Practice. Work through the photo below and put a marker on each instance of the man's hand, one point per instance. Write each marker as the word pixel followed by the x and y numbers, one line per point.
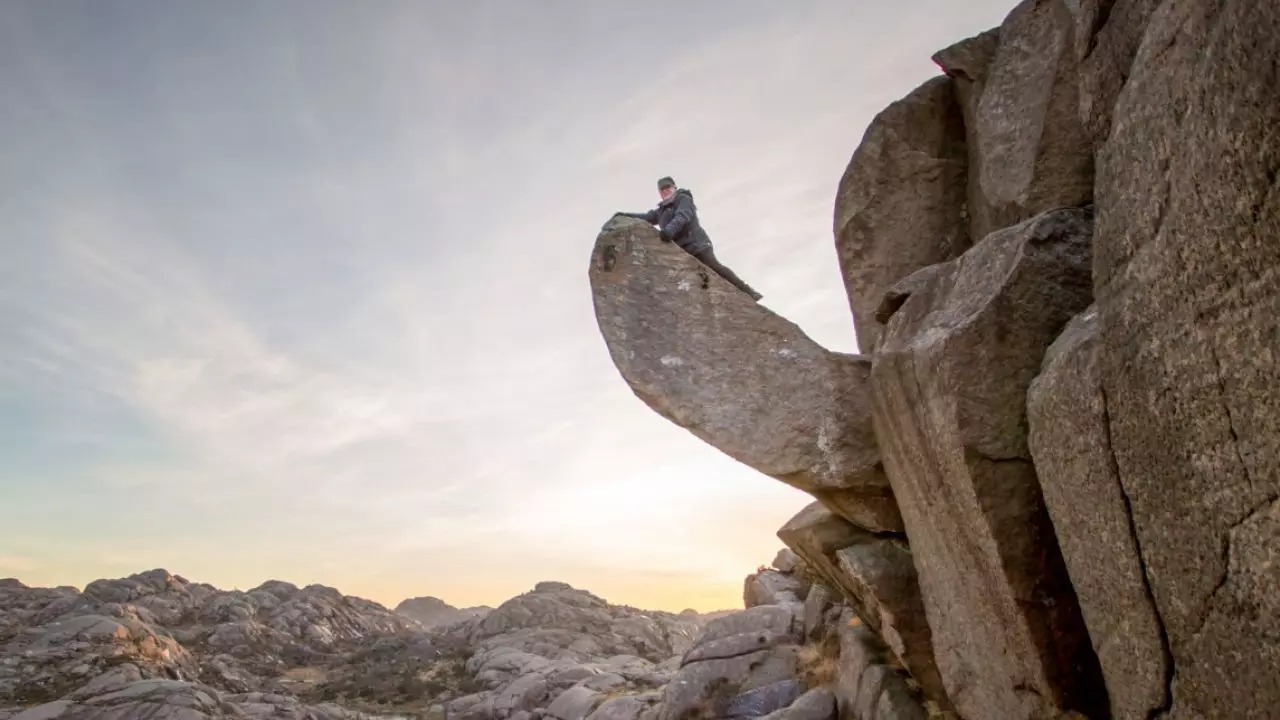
pixel 663 234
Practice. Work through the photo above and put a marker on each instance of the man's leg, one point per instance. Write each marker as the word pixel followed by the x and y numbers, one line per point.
pixel 708 257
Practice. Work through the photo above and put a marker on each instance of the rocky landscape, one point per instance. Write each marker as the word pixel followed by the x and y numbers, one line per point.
pixel 1048 485
pixel 1047 488
pixel 155 645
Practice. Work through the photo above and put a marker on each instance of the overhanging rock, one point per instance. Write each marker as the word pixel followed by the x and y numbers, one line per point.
pixel 745 380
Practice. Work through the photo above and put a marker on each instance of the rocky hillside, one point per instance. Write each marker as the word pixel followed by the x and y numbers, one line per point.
pixel 155 645
pixel 1050 484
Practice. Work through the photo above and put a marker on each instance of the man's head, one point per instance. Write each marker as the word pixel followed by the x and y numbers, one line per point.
pixel 666 187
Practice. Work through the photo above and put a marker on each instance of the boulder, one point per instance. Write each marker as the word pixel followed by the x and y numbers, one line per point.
pixel 1027 146
pixel 748 382
pixel 576 703
pixel 1187 279
pixel 900 205
pixel 1071 446
pixel 818 607
pixel 787 562
pixel 950 384
pixel 868 687
pixel 816 704
pixel 770 587
pixel 717 687
pixel 967 63
pixel 626 707
pixel 747 661
pixel 877 576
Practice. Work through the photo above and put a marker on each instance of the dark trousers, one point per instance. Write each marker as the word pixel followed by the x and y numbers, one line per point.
pixel 708 257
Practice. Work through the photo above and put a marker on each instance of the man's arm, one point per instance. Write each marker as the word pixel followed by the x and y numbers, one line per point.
pixel 650 216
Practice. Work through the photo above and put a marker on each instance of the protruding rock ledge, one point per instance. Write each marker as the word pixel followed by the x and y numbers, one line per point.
pixel 740 377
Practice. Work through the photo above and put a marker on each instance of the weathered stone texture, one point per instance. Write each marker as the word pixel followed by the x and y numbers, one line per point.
pixel 875 574
pixel 743 379
pixel 1071 446
pixel 1027 147
pixel 901 201
pixel 950 386
pixel 1187 275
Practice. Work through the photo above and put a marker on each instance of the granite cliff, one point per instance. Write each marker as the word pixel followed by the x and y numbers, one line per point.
pixel 1049 485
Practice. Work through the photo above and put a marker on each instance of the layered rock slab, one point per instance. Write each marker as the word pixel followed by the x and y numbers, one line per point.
pixel 1071 444
pixel 1187 278
pixel 744 664
pixel 901 201
pixel 868 686
pixel 878 578
pixel 950 384
pixel 743 379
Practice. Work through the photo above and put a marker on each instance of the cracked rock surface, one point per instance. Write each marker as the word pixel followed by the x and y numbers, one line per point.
pixel 1187 278
pixel 1071 444
pixel 1007 633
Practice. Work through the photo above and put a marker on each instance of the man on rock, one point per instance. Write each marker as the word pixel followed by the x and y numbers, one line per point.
pixel 677 219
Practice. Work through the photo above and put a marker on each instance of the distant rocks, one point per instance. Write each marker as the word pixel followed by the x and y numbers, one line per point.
pixel 432 612
pixel 157 645
pixel 167 628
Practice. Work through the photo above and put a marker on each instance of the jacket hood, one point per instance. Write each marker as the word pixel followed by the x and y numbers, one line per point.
pixel 681 191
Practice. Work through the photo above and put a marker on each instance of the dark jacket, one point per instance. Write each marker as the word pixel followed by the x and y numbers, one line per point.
pixel 677 218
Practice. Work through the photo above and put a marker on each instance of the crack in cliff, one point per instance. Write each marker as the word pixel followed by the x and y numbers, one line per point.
pixel 1207 609
pixel 1231 421
pixel 1099 24
pixel 726 655
pixel 1166 702
pixel 1210 601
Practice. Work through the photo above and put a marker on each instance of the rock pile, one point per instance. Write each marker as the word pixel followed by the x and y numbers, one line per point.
pixel 157 645
pixel 1050 486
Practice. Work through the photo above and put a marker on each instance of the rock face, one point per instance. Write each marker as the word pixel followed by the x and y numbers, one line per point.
pixel 432 612
pixel 901 202
pixel 1071 445
pixel 1007 633
pixel 869 687
pixel 877 578
pixel 746 381
pixel 1028 147
pixel 1187 277
pixel 1103 541
pixel 1107 34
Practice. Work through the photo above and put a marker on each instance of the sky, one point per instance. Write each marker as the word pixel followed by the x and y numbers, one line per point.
pixel 298 289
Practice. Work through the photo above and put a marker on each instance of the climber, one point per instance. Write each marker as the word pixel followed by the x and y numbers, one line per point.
pixel 677 219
